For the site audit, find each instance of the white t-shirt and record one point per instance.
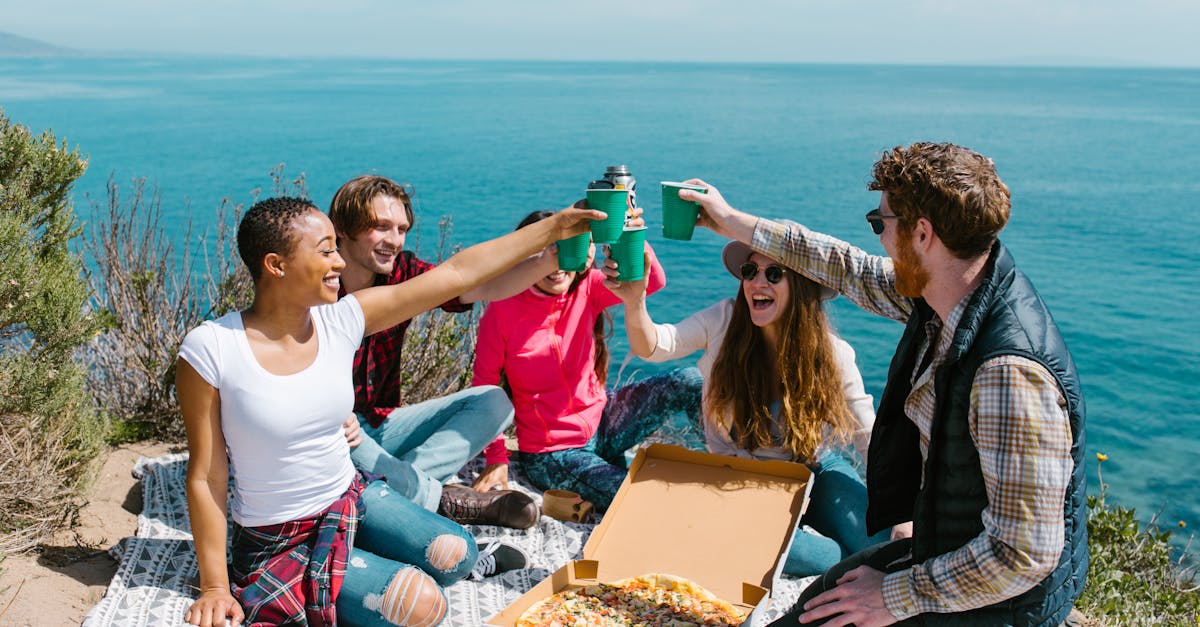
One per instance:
(288, 454)
(705, 330)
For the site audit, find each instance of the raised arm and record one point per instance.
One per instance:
(207, 483)
(520, 277)
(388, 305)
(516, 279)
(639, 327)
(718, 215)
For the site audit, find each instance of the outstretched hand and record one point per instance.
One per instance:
(634, 217)
(575, 219)
(715, 213)
(627, 291)
(856, 600)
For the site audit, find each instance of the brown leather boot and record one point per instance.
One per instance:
(505, 508)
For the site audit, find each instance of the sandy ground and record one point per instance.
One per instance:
(59, 583)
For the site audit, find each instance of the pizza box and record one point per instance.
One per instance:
(724, 523)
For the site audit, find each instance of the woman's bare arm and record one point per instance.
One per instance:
(386, 306)
(207, 483)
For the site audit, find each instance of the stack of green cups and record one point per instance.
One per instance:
(573, 252)
(679, 216)
(613, 202)
(629, 253)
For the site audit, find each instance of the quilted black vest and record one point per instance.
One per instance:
(1005, 316)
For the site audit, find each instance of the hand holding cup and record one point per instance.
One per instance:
(575, 219)
(627, 291)
(679, 215)
(715, 212)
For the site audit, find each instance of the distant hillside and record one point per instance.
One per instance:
(16, 46)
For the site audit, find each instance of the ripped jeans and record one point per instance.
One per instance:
(403, 556)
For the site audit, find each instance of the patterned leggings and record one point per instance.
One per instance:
(596, 469)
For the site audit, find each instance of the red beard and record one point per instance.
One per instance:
(911, 278)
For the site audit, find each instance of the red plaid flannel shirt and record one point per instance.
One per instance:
(291, 573)
(377, 361)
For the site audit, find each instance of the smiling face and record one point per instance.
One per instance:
(313, 267)
(766, 300)
(376, 247)
(558, 282)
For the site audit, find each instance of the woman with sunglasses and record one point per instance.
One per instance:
(265, 393)
(779, 384)
(547, 345)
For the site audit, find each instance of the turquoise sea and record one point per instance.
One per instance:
(1104, 166)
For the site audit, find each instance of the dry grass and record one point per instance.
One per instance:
(153, 294)
(439, 347)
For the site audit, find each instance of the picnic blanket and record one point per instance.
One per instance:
(157, 575)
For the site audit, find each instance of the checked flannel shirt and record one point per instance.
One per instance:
(292, 572)
(377, 361)
(1018, 420)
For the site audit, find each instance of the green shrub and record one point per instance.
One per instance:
(1136, 576)
(51, 436)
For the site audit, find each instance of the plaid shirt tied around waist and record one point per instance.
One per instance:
(291, 573)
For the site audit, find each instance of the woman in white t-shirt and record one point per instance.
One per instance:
(265, 393)
(779, 384)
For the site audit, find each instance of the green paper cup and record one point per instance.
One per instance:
(573, 252)
(679, 216)
(629, 252)
(614, 202)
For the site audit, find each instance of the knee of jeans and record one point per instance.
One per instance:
(450, 553)
(411, 599)
(495, 400)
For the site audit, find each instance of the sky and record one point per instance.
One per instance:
(1007, 32)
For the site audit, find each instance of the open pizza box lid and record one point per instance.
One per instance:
(724, 523)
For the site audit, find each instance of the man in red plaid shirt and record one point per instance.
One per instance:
(418, 447)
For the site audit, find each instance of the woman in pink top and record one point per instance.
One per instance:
(547, 344)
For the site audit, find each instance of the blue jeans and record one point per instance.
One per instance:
(420, 446)
(595, 470)
(393, 543)
(837, 509)
(890, 557)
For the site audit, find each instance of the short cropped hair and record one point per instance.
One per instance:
(350, 210)
(955, 188)
(267, 228)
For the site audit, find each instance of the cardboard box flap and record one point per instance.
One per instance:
(719, 521)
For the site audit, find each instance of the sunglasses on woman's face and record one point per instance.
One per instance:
(876, 220)
(749, 270)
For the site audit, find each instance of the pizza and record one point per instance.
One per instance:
(649, 601)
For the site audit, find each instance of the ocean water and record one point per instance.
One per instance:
(1104, 166)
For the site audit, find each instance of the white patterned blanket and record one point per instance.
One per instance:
(157, 575)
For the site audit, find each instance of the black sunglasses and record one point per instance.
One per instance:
(749, 270)
(876, 220)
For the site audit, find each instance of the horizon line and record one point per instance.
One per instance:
(68, 53)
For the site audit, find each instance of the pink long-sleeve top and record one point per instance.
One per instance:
(544, 347)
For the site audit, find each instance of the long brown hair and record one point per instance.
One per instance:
(810, 381)
(602, 328)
